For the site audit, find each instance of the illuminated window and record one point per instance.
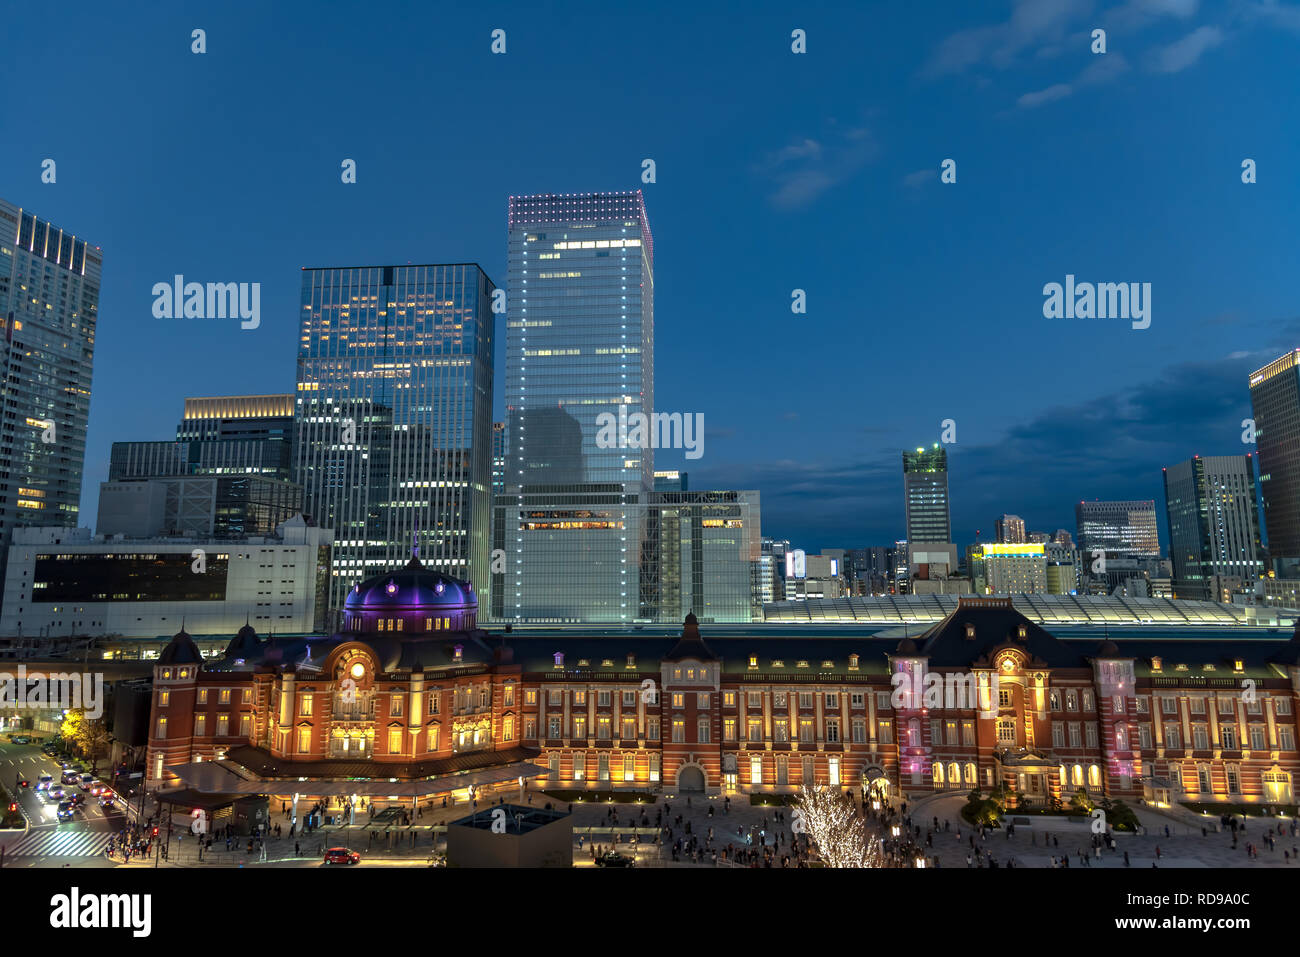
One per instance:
(203, 696)
(164, 698)
(201, 725)
(679, 730)
(629, 768)
(304, 740)
(508, 727)
(224, 697)
(247, 696)
(394, 740)
(755, 770)
(162, 727)
(306, 705)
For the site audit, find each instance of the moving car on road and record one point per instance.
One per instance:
(44, 782)
(342, 855)
(65, 810)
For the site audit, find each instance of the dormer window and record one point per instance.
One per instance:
(459, 652)
(1238, 664)
(1022, 631)
(1180, 667)
(970, 631)
(1156, 663)
(559, 659)
(853, 662)
(802, 664)
(753, 661)
(631, 661)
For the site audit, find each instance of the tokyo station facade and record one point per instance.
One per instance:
(412, 701)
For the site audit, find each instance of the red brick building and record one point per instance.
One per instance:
(414, 691)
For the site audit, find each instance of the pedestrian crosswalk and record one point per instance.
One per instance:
(59, 843)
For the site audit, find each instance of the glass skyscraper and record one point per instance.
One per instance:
(393, 416)
(925, 490)
(1275, 403)
(49, 303)
(1123, 530)
(1210, 509)
(580, 343)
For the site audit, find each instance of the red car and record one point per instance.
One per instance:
(341, 855)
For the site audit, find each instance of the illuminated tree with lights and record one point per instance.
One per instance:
(831, 821)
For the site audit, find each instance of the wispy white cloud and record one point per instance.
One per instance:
(920, 177)
(806, 168)
(1276, 13)
(1033, 24)
(1057, 91)
(1183, 53)
(1101, 70)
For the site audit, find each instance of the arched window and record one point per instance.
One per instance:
(954, 774)
(1094, 776)
(970, 772)
(938, 775)
(1077, 775)
(1065, 779)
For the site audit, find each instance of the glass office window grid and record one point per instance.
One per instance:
(1210, 513)
(1122, 529)
(580, 342)
(49, 303)
(925, 488)
(1275, 404)
(393, 422)
(702, 555)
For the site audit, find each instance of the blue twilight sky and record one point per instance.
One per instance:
(775, 171)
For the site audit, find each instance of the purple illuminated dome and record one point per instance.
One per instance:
(414, 600)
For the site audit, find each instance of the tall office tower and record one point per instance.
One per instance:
(1210, 509)
(579, 346)
(1010, 529)
(705, 554)
(219, 435)
(1275, 403)
(393, 419)
(1063, 537)
(1124, 530)
(925, 488)
(498, 457)
(49, 301)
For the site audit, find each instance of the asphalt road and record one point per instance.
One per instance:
(48, 841)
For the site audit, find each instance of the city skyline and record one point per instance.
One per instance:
(793, 185)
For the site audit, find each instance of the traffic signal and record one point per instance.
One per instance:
(155, 830)
(13, 808)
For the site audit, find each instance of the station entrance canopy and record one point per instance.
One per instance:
(218, 777)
